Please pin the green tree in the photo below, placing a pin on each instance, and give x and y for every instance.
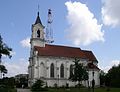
(38, 86)
(114, 76)
(85, 74)
(3, 69)
(4, 49)
(79, 72)
(24, 81)
(8, 82)
(102, 78)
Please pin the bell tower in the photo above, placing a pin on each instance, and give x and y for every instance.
(37, 37)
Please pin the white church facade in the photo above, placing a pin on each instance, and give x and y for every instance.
(53, 63)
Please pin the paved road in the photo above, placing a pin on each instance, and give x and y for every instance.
(23, 90)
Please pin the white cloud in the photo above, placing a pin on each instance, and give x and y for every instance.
(83, 26)
(14, 68)
(110, 12)
(112, 63)
(11, 52)
(26, 42)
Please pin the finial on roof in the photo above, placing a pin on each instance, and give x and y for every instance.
(38, 13)
(38, 19)
(38, 9)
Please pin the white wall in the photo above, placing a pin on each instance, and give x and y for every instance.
(43, 70)
(96, 77)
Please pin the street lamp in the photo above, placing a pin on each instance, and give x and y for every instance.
(58, 79)
(0, 58)
(93, 81)
(0, 64)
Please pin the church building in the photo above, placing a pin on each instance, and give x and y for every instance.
(53, 63)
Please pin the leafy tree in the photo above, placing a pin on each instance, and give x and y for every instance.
(79, 72)
(3, 69)
(8, 82)
(113, 76)
(4, 49)
(38, 86)
(102, 78)
(21, 82)
(24, 81)
(85, 74)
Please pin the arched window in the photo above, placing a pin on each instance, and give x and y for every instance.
(71, 71)
(38, 33)
(62, 71)
(42, 70)
(52, 70)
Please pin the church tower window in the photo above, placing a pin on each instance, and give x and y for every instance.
(52, 70)
(38, 33)
(62, 71)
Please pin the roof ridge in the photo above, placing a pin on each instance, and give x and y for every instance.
(64, 46)
(87, 50)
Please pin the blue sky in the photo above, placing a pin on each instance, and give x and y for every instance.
(88, 24)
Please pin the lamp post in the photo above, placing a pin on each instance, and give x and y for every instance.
(93, 81)
(0, 58)
(58, 79)
(0, 64)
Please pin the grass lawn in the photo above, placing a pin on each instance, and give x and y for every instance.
(83, 90)
(7, 90)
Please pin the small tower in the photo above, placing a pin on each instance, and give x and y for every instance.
(37, 37)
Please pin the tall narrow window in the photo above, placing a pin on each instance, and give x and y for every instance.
(71, 71)
(52, 70)
(42, 70)
(62, 71)
(38, 33)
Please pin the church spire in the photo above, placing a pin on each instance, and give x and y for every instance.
(38, 20)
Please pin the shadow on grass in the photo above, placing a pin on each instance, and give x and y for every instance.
(80, 90)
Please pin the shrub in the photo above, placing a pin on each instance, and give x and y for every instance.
(38, 86)
(7, 82)
(55, 85)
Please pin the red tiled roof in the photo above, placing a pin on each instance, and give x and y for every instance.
(59, 51)
(92, 66)
(89, 55)
(64, 51)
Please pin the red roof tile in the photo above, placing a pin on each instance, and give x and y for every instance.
(89, 55)
(92, 66)
(64, 51)
(59, 51)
